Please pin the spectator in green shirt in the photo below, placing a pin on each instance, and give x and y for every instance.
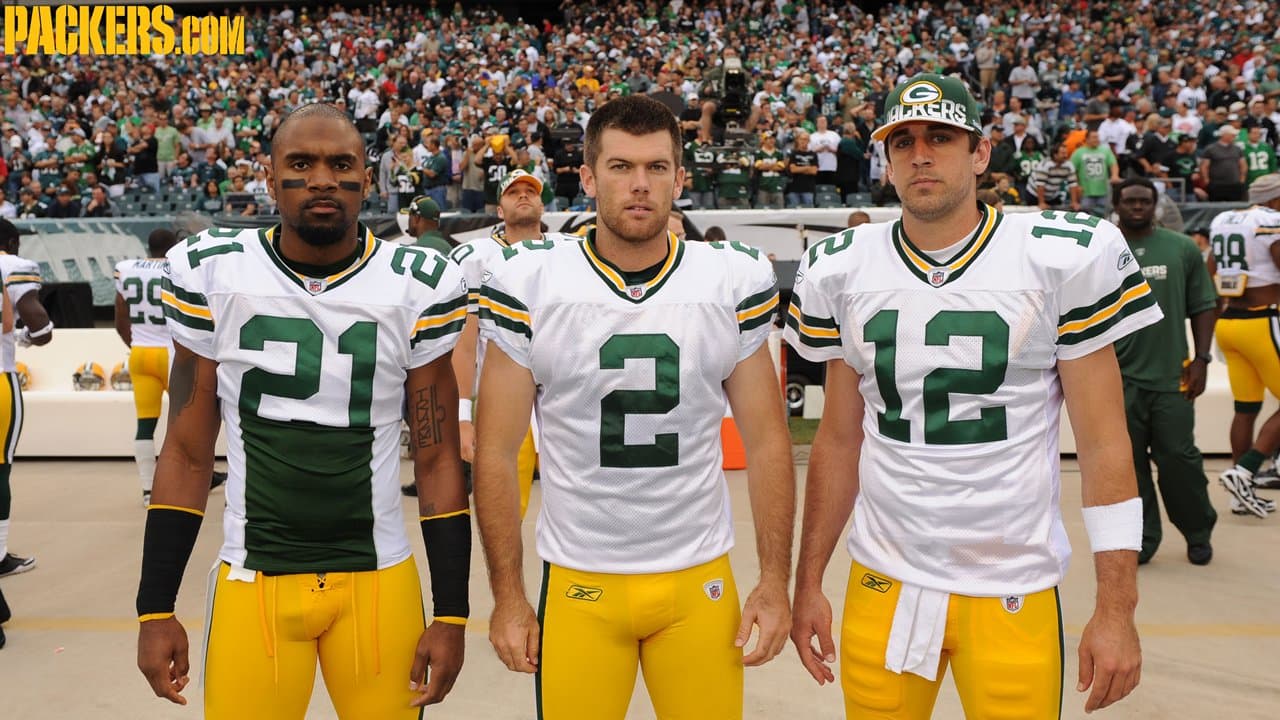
(1096, 169)
(168, 144)
(1259, 156)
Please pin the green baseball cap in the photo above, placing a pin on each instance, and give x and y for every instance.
(929, 97)
(424, 207)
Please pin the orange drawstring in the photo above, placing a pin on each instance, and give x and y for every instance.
(377, 658)
(268, 635)
(355, 626)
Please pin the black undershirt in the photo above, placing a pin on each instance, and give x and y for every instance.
(318, 271)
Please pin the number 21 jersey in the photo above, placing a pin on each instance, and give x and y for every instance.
(959, 487)
(311, 374)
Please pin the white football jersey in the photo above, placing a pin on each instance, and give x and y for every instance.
(138, 282)
(1241, 242)
(477, 258)
(311, 375)
(20, 276)
(630, 377)
(959, 476)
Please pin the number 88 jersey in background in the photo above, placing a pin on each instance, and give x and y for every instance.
(311, 374)
(959, 484)
(630, 376)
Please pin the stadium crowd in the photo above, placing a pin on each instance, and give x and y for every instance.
(777, 100)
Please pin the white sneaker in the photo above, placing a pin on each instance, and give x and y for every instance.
(1238, 508)
(1238, 482)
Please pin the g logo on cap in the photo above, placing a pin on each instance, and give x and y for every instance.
(920, 93)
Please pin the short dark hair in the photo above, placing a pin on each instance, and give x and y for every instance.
(160, 240)
(317, 109)
(634, 115)
(1134, 182)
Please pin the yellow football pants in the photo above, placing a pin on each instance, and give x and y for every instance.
(10, 415)
(264, 637)
(149, 372)
(1250, 342)
(1006, 655)
(526, 463)
(679, 627)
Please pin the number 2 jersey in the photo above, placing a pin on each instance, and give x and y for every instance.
(311, 374)
(1241, 242)
(959, 471)
(630, 393)
(139, 283)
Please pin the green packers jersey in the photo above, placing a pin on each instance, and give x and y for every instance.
(311, 374)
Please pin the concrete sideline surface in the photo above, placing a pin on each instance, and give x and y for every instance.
(1211, 635)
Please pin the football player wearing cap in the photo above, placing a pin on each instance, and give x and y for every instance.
(1246, 261)
(520, 207)
(951, 337)
(21, 297)
(424, 224)
(629, 342)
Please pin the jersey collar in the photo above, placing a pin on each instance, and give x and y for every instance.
(923, 267)
(613, 276)
(315, 286)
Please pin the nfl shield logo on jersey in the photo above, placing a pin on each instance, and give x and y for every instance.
(714, 588)
(636, 291)
(937, 277)
(315, 285)
(1012, 604)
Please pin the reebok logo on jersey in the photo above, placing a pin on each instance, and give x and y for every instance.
(879, 584)
(1125, 258)
(579, 592)
(1012, 604)
(714, 588)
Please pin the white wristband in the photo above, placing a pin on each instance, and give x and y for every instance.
(464, 411)
(1114, 527)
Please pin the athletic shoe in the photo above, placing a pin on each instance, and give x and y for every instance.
(1200, 553)
(1268, 479)
(1239, 483)
(1, 638)
(410, 490)
(218, 478)
(13, 565)
(1238, 508)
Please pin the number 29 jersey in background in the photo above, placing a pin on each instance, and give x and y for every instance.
(139, 282)
(311, 374)
(959, 472)
(630, 379)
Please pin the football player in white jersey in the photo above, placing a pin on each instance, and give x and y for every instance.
(140, 323)
(1246, 261)
(628, 343)
(951, 338)
(21, 279)
(520, 207)
(306, 337)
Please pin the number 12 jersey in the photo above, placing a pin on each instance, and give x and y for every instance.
(959, 487)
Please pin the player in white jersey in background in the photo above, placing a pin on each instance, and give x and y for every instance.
(951, 338)
(305, 337)
(21, 279)
(140, 323)
(1246, 262)
(628, 343)
(520, 207)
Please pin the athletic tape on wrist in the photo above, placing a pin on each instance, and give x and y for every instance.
(447, 538)
(464, 411)
(1114, 527)
(166, 547)
(42, 331)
